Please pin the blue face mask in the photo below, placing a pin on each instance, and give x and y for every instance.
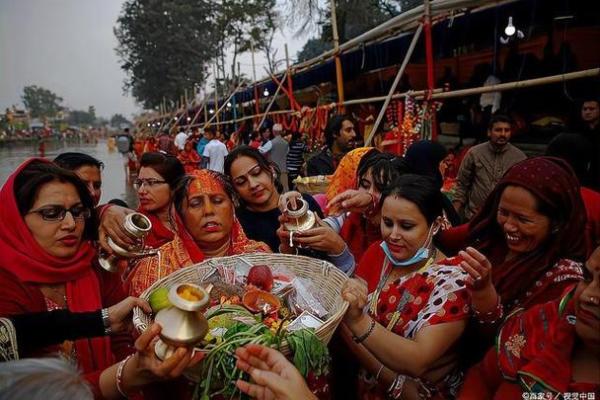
(421, 255)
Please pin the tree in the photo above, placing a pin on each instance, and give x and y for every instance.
(117, 120)
(354, 17)
(313, 48)
(81, 117)
(41, 102)
(164, 47)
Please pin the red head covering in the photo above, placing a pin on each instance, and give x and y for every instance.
(208, 181)
(555, 186)
(23, 257)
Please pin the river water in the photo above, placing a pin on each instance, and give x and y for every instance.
(114, 182)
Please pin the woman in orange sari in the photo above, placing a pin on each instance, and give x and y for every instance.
(206, 228)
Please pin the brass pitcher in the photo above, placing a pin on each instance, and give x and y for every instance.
(138, 225)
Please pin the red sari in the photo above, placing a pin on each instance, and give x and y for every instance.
(190, 160)
(533, 355)
(25, 265)
(435, 294)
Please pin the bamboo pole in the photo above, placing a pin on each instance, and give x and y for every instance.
(256, 105)
(216, 94)
(440, 94)
(202, 105)
(407, 56)
(338, 61)
(587, 73)
(293, 104)
(272, 101)
(429, 59)
(290, 90)
(206, 123)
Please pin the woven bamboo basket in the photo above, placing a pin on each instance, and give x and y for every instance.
(312, 184)
(326, 278)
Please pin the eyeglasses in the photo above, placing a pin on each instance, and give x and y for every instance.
(138, 183)
(58, 213)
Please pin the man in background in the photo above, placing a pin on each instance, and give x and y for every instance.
(484, 165)
(279, 152)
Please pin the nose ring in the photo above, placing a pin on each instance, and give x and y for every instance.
(593, 300)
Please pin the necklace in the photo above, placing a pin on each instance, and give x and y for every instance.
(404, 296)
(221, 251)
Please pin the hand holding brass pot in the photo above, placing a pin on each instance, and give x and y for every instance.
(138, 225)
(300, 219)
(183, 324)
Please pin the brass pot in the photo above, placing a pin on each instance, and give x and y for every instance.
(183, 323)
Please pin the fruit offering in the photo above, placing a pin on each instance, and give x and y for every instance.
(159, 299)
(261, 277)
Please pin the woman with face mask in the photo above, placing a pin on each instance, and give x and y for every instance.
(408, 307)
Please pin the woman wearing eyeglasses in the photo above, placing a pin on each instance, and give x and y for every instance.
(47, 264)
(158, 176)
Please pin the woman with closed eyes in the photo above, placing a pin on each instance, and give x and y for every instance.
(206, 227)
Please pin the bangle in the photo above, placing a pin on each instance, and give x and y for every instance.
(490, 317)
(364, 337)
(379, 372)
(106, 321)
(119, 376)
(395, 389)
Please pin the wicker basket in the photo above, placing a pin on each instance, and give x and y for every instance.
(327, 279)
(312, 184)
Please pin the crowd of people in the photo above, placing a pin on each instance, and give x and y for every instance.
(493, 293)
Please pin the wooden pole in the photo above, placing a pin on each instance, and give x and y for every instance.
(429, 61)
(440, 94)
(222, 106)
(338, 62)
(409, 52)
(546, 80)
(216, 95)
(290, 90)
(256, 99)
(293, 104)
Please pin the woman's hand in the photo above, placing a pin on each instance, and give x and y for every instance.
(292, 198)
(119, 314)
(479, 269)
(273, 376)
(355, 292)
(111, 225)
(144, 367)
(321, 238)
(284, 236)
(484, 297)
(350, 200)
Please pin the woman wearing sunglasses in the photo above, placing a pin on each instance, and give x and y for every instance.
(47, 264)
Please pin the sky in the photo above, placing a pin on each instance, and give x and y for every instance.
(67, 46)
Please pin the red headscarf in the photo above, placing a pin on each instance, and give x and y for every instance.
(207, 181)
(555, 186)
(23, 257)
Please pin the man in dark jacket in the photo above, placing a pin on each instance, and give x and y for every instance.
(339, 139)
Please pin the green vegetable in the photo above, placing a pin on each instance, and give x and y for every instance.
(310, 354)
(159, 299)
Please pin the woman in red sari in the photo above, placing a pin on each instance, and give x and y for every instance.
(551, 349)
(189, 157)
(417, 304)
(207, 228)
(46, 264)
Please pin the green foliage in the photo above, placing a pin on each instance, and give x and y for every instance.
(313, 48)
(41, 102)
(354, 17)
(82, 118)
(164, 47)
(167, 47)
(117, 120)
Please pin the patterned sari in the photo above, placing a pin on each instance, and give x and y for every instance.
(435, 294)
